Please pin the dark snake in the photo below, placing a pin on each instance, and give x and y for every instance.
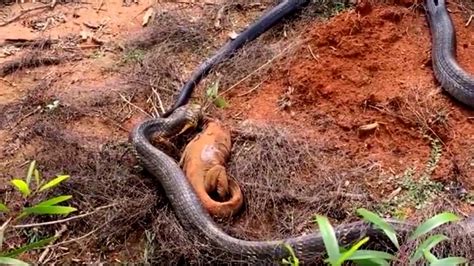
(195, 219)
(455, 80)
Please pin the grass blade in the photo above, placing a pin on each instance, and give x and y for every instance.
(292, 259)
(347, 254)
(37, 177)
(428, 244)
(329, 238)
(54, 182)
(3, 208)
(371, 262)
(25, 248)
(220, 102)
(449, 261)
(375, 219)
(2, 232)
(434, 222)
(49, 210)
(21, 186)
(11, 261)
(2, 236)
(212, 90)
(430, 257)
(31, 168)
(53, 201)
(371, 254)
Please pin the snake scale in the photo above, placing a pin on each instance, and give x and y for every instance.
(186, 205)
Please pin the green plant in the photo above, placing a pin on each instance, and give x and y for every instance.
(292, 259)
(424, 249)
(47, 207)
(96, 54)
(338, 255)
(339, 7)
(212, 94)
(435, 156)
(133, 56)
(415, 192)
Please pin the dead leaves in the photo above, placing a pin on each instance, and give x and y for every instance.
(148, 16)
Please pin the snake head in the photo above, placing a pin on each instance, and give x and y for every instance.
(188, 116)
(433, 5)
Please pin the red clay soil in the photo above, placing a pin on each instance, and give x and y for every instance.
(367, 67)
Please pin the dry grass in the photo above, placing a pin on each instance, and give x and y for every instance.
(40, 52)
(428, 113)
(30, 60)
(290, 179)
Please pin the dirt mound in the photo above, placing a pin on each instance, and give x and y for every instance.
(366, 80)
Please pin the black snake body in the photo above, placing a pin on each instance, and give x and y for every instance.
(186, 204)
(448, 72)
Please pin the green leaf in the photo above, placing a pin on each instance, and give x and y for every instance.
(292, 259)
(329, 238)
(12, 261)
(371, 258)
(2, 233)
(371, 262)
(49, 210)
(371, 254)
(347, 254)
(54, 182)
(53, 201)
(220, 102)
(25, 248)
(428, 244)
(434, 222)
(37, 177)
(211, 92)
(22, 215)
(430, 257)
(3, 208)
(449, 261)
(375, 219)
(30, 172)
(21, 186)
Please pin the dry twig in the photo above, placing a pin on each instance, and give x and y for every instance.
(132, 104)
(23, 12)
(261, 67)
(469, 20)
(46, 251)
(63, 220)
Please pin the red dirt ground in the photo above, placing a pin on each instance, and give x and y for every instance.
(361, 69)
